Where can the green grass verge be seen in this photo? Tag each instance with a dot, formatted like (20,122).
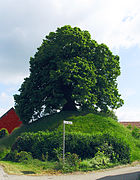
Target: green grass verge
(32,167)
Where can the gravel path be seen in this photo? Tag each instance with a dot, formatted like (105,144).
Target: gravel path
(122,173)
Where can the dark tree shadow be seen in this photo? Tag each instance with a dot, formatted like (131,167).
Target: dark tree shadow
(128,176)
(28,172)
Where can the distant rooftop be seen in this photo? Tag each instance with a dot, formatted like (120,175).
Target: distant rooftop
(137,124)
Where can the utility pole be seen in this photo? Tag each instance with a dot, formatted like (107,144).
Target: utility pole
(63,142)
(64,122)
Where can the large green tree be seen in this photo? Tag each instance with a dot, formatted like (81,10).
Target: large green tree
(69,71)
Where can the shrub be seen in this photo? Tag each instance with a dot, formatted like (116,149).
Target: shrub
(84,145)
(120,147)
(100,160)
(86,165)
(3,133)
(11,156)
(18,156)
(136,132)
(45,157)
(24,142)
(108,151)
(23,156)
(129,126)
(71,162)
(3,151)
(38,144)
(59,153)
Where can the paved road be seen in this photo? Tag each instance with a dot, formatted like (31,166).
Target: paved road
(123,173)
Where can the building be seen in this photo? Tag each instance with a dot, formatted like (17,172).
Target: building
(133,124)
(10,120)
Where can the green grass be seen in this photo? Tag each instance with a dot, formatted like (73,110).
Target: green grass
(82,122)
(32,167)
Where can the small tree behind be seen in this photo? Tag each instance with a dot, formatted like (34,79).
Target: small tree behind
(3,133)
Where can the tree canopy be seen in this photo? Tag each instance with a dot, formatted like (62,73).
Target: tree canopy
(69,71)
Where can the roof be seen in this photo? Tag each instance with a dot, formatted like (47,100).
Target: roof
(137,124)
(7,112)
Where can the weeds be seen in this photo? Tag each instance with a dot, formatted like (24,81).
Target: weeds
(69,164)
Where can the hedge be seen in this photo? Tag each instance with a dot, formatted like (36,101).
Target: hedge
(84,145)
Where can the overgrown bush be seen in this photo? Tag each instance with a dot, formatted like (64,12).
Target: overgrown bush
(38,144)
(108,151)
(3,133)
(86,165)
(100,161)
(69,164)
(129,126)
(136,132)
(3,152)
(16,156)
(120,148)
(84,145)
(104,158)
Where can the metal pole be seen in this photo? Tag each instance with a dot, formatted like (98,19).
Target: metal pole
(63,142)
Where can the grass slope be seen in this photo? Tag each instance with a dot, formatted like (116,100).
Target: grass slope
(82,122)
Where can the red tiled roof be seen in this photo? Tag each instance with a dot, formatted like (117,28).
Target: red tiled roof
(137,124)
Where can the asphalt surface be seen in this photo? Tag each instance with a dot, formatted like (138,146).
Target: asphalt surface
(122,173)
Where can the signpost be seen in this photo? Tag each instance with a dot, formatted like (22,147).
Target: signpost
(64,122)
(67,122)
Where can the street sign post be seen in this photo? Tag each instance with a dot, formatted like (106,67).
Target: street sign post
(67,122)
(64,122)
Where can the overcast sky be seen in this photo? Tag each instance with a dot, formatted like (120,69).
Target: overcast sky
(25,23)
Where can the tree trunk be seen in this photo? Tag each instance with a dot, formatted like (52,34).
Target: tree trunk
(70,105)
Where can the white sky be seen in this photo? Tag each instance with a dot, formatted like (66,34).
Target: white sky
(24,24)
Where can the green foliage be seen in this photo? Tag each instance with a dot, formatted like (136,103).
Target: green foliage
(129,126)
(110,114)
(69,70)
(121,148)
(84,145)
(23,156)
(16,156)
(85,165)
(136,132)
(100,161)
(59,153)
(38,144)
(29,167)
(45,157)
(108,151)
(105,157)
(3,133)
(73,160)
(70,164)
(11,156)
(83,122)
(3,151)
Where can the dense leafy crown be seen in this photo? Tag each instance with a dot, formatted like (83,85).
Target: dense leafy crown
(69,71)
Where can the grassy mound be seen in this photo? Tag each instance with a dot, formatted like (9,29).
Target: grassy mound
(82,122)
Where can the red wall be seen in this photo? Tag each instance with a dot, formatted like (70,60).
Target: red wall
(10,121)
